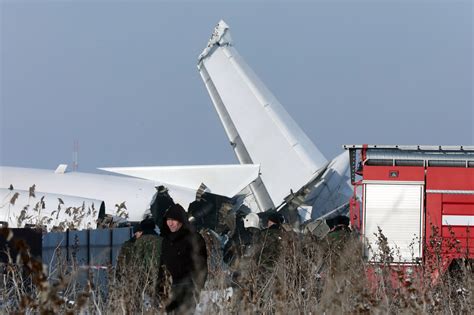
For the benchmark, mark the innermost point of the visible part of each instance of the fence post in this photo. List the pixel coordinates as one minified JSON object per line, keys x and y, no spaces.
{"x":111,"y":246}
{"x":67,"y":245}
{"x":88,"y":247}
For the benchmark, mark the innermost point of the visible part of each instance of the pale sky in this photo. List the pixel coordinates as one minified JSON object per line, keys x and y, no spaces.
{"x":121,"y":77}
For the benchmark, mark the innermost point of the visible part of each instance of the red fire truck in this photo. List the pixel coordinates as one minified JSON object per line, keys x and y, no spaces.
{"x":420,"y":197}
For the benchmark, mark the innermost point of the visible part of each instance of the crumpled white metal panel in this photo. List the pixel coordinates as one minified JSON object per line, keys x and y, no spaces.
{"x":333,"y":189}
{"x":397,"y":210}
{"x":225,"y":180}
{"x":271,"y":137}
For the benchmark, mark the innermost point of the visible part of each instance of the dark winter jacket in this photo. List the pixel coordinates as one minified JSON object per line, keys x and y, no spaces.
{"x":159,"y":206}
{"x":183,"y":252}
{"x":338,"y":235}
{"x":126,"y":256}
{"x":271,"y":241}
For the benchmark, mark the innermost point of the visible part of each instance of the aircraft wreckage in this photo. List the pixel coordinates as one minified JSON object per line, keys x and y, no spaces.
{"x":280,"y":168}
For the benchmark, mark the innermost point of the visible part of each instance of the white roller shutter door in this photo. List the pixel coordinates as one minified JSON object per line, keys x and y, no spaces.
{"x":397,"y":210}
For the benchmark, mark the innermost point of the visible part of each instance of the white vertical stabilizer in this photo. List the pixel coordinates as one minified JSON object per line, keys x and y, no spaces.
{"x":258,"y":127}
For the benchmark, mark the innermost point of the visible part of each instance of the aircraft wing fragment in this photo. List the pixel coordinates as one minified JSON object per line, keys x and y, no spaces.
{"x":225,"y":180}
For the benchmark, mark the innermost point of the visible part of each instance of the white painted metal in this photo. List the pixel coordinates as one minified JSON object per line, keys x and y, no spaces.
{"x":61,"y":169}
{"x":257,"y":188}
{"x":333,"y":189}
{"x":225,"y":180}
{"x":462,"y":148}
{"x":44,"y":209}
{"x":137,"y":193}
{"x":463,"y":220}
{"x":261,"y":131}
{"x":450,"y":192}
{"x":397,"y":210}
{"x":266,"y":129}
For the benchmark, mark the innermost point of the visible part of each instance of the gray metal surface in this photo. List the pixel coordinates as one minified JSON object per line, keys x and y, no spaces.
{"x":411,"y":147}
{"x":453,"y":156}
{"x":86,"y":248}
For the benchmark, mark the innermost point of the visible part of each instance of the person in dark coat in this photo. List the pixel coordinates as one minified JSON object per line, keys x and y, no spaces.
{"x":271,"y":241}
{"x":184,"y":257}
{"x":339,"y":230}
{"x":148,"y":246}
{"x":126,"y":254}
{"x":160,"y":204}
{"x":147,"y":252}
{"x":138,"y":264}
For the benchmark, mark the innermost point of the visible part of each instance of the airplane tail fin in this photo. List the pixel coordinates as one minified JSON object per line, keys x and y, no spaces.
{"x":258,"y":127}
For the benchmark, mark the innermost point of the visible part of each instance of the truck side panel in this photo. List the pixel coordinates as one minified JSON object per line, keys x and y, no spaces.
{"x":450,"y":212}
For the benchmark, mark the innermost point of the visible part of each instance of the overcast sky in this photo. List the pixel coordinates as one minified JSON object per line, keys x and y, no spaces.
{"x":121,"y":77}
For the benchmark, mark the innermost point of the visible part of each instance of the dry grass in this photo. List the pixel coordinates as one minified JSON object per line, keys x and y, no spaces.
{"x":314,"y":276}
{"x":309,"y":276}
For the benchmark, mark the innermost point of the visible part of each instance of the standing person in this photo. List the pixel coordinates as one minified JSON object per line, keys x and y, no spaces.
{"x":184,"y":256}
{"x":138,"y":264}
{"x":339,"y":231}
{"x":126,"y":254}
{"x":147,"y":264}
{"x":271,"y":241}
{"x":148,"y":246}
{"x":161,"y":202}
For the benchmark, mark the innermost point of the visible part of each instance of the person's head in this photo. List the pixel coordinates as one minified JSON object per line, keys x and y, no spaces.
{"x":161,"y":189}
{"x":175,"y":218}
{"x":137,"y":231}
{"x":275,"y":219}
{"x":338,"y":221}
{"x":147,"y":225}
{"x":173,"y":224}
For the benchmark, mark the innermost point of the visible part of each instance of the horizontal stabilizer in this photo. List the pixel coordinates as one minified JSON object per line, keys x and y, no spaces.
{"x":225,"y":180}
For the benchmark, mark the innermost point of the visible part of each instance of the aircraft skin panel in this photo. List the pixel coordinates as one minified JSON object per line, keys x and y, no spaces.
{"x":258,"y":188}
{"x":47,"y":213}
{"x":113,"y":190}
{"x":287,"y":156}
{"x":333,"y":189}
{"x":294,"y":135}
{"x":225,"y":180}
{"x":232,"y":133}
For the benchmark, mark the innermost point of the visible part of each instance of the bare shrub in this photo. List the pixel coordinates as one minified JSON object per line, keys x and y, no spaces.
{"x":308,"y":276}
{"x":332,"y":277}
